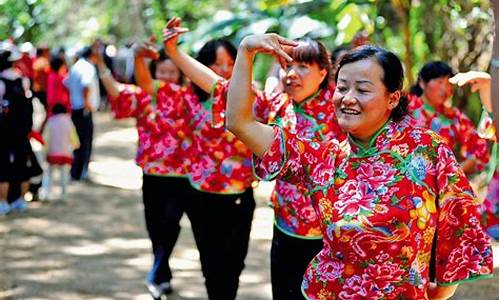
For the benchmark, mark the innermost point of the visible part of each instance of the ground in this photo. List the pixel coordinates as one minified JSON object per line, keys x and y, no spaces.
{"x":94,"y":245}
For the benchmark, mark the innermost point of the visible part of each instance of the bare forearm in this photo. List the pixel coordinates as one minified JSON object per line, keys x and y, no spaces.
{"x":108,"y":81}
{"x":240,"y":119}
{"x":142,"y":75}
{"x":200,"y":74}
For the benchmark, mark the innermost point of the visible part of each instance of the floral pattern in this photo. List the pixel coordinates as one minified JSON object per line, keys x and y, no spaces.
{"x":454,"y":126}
{"x":220,"y":163}
{"x":164,"y":135}
{"x":380,"y":211}
{"x":313,"y":118}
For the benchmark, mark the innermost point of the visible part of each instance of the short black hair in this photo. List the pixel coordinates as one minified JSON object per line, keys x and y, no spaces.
{"x":59,"y":108}
{"x":86,"y":52}
{"x":393,"y":72}
{"x":431,"y":70}
{"x":56,"y":63}
{"x":163,"y":57}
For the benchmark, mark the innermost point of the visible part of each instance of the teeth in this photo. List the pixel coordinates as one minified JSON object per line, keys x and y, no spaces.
{"x":349,"y":112}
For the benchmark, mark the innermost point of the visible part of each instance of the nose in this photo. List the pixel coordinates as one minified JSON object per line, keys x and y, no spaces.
{"x":349,"y":99}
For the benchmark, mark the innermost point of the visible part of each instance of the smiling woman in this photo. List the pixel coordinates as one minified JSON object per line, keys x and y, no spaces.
{"x":385,"y":196}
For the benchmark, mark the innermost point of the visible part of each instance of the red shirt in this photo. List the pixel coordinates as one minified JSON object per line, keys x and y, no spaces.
{"x":380,"y":208}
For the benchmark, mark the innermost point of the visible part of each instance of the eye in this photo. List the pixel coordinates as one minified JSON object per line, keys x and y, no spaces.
{"x":341,"y":89}
{"x":363,"y":91}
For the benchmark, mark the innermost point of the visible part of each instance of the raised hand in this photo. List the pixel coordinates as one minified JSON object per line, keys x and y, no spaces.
{"x":147,"y":49}
{"x":478,"y":81}
{"x":171,"y":34}
{"x":270,"y":43}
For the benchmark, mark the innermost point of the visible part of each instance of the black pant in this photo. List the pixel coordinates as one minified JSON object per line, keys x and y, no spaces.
{"x":163,"y":199}
{"x":82,"y":119}
{"x":221,"y":226}
{"x":289,"y":259}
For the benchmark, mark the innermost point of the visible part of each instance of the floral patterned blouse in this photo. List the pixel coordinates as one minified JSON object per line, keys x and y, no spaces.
{"x":380,"y":208}
{"x":220,"y":163}
{"x":314,"y":118}
{"x":164,"y":135}
{"x":454,"y":126}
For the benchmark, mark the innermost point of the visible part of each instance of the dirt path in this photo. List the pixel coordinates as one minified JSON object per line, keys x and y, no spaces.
{"x":94,"y":245}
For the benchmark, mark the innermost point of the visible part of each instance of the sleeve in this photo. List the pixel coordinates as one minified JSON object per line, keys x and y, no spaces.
{"x":463,"y":251}
{"x":472,"y":146}
{"x":298,"y":161}
{"x":131,"y":102}
{"x":219,"y":94}
{"x":87,"y":75}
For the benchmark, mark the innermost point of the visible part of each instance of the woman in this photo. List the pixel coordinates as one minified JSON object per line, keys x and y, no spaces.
{"x":427,"y":102}
{"x":221,"y":205}
{"x":381,"y":195}
{"x":56,"y":90}
{"x":305,"y":107}
{"x":163,"y":139}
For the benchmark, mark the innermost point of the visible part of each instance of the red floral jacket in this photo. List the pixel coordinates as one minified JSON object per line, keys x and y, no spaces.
{"x":380,"y":208}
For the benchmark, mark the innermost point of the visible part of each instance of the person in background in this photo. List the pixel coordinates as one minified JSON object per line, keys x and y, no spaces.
{"x":41,"y":68}
{"x":61,"y":140}
{"x":57,"y":93}
{"x":427,"y":104}
{"x":16,"y":111}
{"x":83,"y":88}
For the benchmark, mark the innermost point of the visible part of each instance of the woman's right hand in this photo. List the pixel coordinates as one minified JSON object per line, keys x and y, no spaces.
{"x":146,"y":49}
{"x":171,"y":34}
{"x":269,"y":43}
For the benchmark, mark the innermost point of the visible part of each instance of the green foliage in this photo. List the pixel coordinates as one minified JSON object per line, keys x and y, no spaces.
{"x":456,"y":31}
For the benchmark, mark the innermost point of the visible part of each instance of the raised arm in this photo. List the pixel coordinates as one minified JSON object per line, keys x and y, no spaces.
{"x":240,"y":119}
{"x":110,"y":84}
{"x":141,"y":70}
{"x":200,"y":74}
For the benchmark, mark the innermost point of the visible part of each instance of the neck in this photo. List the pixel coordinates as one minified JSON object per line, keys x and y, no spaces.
{"x":367,"y":139}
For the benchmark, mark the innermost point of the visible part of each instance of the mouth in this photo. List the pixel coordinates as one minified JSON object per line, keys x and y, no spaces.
{"x":349,"y":111}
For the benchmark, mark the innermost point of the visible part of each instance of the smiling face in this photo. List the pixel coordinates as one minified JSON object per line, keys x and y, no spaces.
{"x":362,"y":102}
{"x":302,"y":80}
{"x":167,"y":71}
{"x":223,"y":64}
{"x":437,"y":90}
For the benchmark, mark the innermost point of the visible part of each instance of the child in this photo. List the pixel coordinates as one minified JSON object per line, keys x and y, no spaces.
{"x":61,"y":139}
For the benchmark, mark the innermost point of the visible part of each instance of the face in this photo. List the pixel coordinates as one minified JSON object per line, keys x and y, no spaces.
{"x":301,"y":80}
{"x":362,"y":102}
{"x":223,"y":64}
{"x":437,"y":90}
{"x":166,"y":71}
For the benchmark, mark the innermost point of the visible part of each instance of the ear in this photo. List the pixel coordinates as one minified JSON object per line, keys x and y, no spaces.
{"x":421,"y":84}
{"x":394,"y":99}
{"x":323,"y":73}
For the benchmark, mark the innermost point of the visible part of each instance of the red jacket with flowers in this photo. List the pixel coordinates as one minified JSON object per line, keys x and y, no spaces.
{"x":454,"y":126}
{"x":314,"y":118}
{"x":379,"y":208}
{"x":220,"y":162}
{"x":165,"y":137}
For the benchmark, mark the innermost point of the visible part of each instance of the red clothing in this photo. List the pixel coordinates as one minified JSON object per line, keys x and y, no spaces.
{"x":454,"y":126}
{"x":220,"y":162}
{"x":380,"y":207}
{"x":165,"y":138}
{"x":25,"y":65}
{"x":313,"y":118}
{"x":41,"y":69}
{"x":57,"y":92}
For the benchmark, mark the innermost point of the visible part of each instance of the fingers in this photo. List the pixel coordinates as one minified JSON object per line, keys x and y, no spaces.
{"x":286,"y":42}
